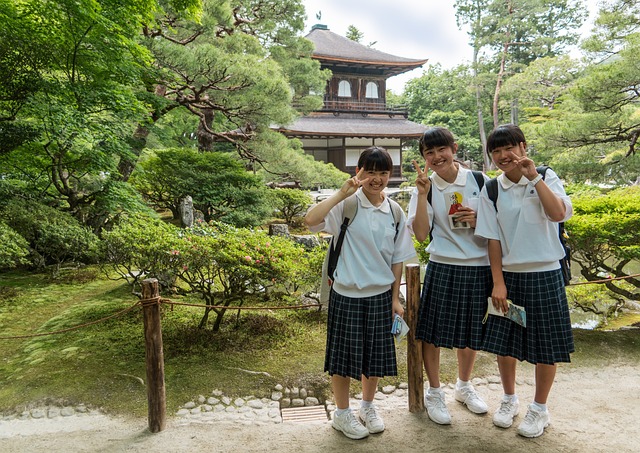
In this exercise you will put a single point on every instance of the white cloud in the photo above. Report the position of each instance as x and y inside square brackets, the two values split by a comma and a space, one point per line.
[421, 29]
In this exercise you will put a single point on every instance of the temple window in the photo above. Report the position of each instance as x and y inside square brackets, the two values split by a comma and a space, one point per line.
[344, 89]
[372, 90]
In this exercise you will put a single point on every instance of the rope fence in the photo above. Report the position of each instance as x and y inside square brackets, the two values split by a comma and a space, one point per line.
[157, 301]
[154, 356]
[160, 300]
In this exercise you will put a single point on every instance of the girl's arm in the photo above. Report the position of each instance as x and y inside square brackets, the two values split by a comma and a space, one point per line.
[317, 213]
[420, 224]
[396, 268]
[499, 292]
[553, 205]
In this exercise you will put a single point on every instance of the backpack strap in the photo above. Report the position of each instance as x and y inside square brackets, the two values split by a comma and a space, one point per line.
[479, 177]
[396, 211]
[349, 211]
[492, 191]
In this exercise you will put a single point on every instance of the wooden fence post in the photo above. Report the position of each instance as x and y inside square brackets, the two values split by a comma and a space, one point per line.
[156, 398]
[414, 347]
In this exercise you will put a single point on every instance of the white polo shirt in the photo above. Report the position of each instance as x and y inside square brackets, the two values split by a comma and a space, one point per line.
[458, 247]
[369, 249]
[529, 240]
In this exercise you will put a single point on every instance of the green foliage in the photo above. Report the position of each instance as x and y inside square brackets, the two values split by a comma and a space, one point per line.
[604, 234]
[443, 97]
[287, 160]
[224, 264]
[138, 247]
[14, 249]
[291, 203]
[54, 237]
[354, 34]
[592, 133]
[421, 250]
[217, 182]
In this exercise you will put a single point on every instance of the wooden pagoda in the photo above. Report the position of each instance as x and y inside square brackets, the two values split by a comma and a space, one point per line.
[355, 114]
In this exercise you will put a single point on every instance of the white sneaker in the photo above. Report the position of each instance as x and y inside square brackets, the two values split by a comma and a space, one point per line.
[437, 408]
[349, 426]
[534, 422]
[468, 396]
[372, 421]
[504, 416]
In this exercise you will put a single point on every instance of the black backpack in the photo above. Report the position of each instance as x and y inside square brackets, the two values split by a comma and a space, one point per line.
[565, 262]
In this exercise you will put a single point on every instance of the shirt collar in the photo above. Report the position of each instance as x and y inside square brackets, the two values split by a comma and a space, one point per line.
[506, 183]
[461, 179]
[364, 201]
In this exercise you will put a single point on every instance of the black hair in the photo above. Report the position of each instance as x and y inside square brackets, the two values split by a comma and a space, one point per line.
[435, 137]
[375, 158]
[504, 135]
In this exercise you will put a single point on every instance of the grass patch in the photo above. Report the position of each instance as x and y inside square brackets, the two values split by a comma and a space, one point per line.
[103, 364]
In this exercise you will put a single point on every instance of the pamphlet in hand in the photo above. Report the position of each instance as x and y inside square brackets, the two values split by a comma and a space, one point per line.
[453, 202]
[515, 313]
[400, 328]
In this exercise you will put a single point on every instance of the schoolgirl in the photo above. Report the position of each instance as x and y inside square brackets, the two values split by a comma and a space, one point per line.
[458, 278]
[365, 292]
[524, 252]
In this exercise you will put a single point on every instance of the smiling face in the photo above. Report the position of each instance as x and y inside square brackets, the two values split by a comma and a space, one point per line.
[503, 156]
[377, 165]
[441, 158]
[504, 144]
[438, 147]
[378, 180]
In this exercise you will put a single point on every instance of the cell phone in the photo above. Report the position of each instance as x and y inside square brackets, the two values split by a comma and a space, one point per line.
[395, 327]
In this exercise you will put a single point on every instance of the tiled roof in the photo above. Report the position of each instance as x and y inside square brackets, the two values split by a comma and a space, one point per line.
[332, 48]
[353, 126]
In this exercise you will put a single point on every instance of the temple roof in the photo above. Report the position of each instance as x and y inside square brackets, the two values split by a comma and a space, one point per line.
[325, 126]
[334, 50]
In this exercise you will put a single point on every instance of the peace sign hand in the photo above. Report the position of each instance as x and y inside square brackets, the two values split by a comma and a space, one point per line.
[525, 164]
[351, 185]
[423, 182]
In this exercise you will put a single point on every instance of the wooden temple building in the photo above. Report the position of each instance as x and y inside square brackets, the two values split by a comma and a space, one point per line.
[355, 114]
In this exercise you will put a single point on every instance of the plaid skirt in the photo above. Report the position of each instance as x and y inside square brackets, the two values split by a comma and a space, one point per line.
[359, 339]
[548, 337]
[452, 305]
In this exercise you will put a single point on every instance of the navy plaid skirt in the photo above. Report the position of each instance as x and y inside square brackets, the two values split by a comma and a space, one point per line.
[548, 337]
[359, 339]
[453, 304]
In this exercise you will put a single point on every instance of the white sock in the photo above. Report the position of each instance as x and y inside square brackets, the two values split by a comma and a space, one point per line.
[364, 404]
[461, 383]
[339, 412]
[510, 398]
[434, 390]
[540, 407]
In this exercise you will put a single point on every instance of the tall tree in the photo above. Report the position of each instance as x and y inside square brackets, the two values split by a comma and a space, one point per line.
[597, 124]
[444, 97]
[85, 81]
[509, 34]
[238, 69]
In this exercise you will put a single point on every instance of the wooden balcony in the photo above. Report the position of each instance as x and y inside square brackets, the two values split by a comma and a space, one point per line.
[338, 106]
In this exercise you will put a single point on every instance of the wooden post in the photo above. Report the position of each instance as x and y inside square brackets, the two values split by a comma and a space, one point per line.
[414, 347]
[156, 398]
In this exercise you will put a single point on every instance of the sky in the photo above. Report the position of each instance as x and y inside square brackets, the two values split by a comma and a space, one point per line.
[420, 29]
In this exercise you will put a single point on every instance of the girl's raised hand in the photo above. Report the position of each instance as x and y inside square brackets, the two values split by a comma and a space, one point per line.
[423, 183]
[527, 166]
[351, 185]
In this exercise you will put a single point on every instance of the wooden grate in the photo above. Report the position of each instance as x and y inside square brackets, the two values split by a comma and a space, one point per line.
[304, 414]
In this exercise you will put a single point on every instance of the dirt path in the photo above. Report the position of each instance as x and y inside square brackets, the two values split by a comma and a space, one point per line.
[592, 410]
